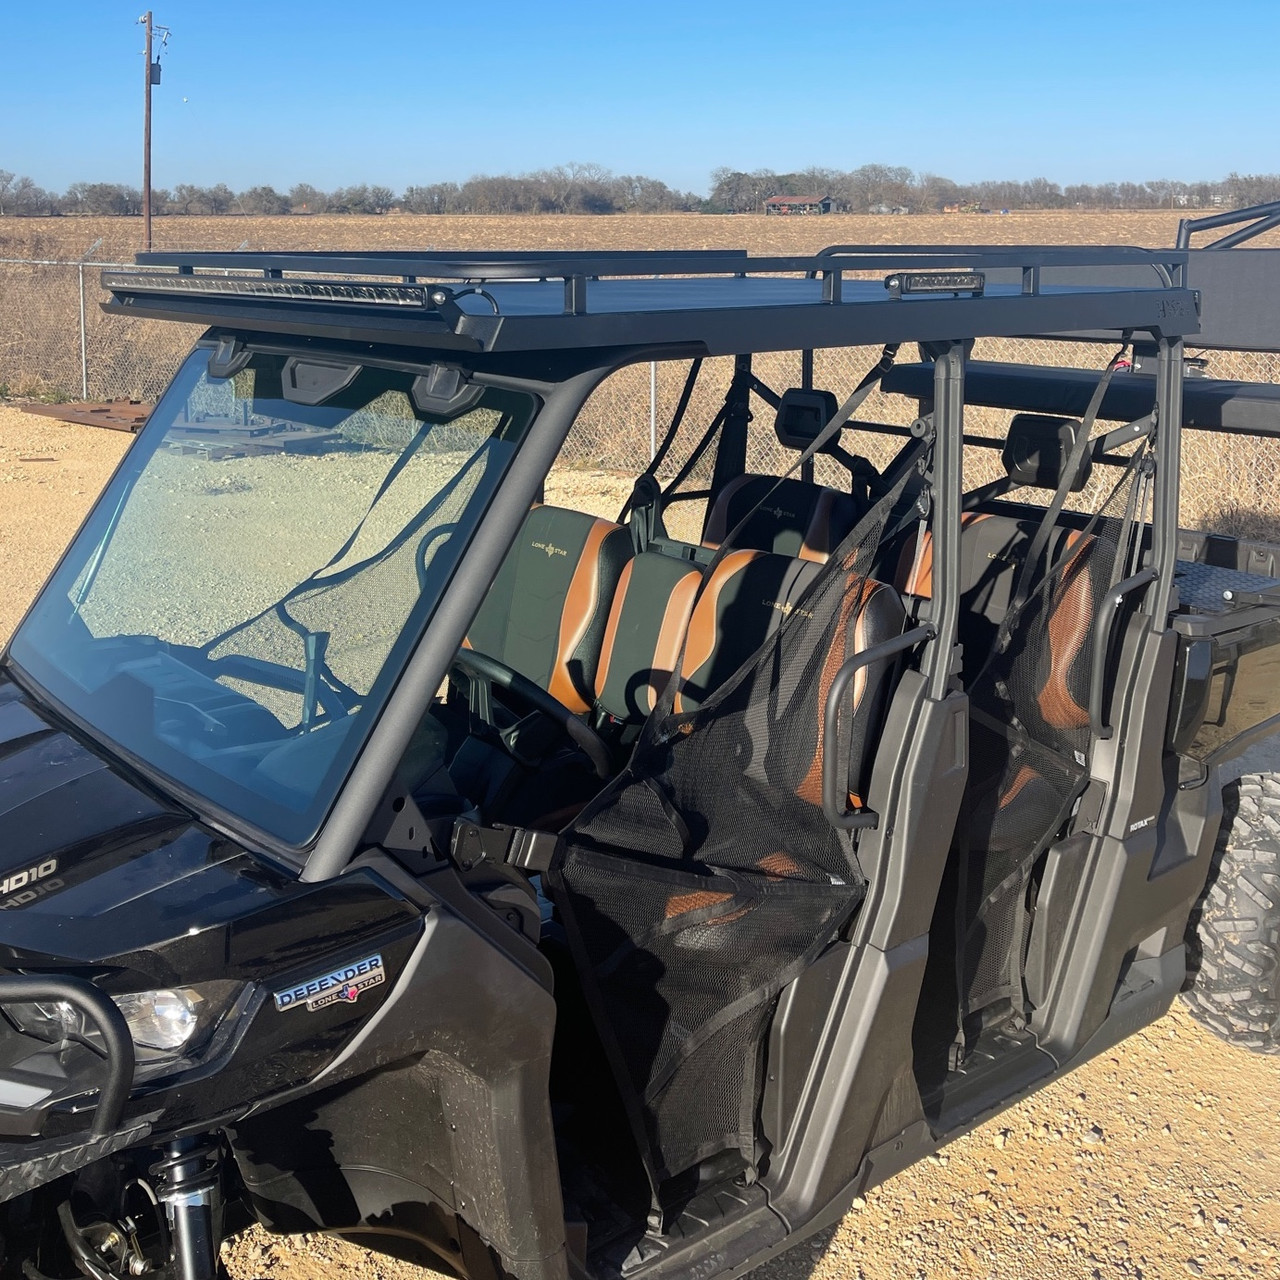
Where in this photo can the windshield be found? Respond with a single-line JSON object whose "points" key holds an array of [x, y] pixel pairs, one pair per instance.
{"points": [[237, 607]]}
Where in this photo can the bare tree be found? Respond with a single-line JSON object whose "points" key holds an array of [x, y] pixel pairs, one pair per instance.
{"points": [[263, 200]]}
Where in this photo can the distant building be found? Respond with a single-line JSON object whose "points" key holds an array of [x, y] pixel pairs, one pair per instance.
{"points": [[798, 204]]}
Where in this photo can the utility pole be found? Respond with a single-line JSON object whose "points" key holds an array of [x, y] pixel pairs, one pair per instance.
{"points": [[151, 75], [146, 141]]}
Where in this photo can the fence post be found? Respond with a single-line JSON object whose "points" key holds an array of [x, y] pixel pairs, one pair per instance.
{"points": [[653, 409], [84, 346]]}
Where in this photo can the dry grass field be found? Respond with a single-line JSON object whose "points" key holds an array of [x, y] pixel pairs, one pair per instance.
{"points": [[1230, 485], [70, 237], [1158, 1160]]}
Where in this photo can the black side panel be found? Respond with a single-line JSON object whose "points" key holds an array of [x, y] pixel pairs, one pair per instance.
{"points": [[458, 1129], [840, 1056], [1147, 862], [1237, 298]]}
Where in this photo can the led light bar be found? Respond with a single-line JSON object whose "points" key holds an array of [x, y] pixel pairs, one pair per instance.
{"points": [[902, 283], [333, 291]]}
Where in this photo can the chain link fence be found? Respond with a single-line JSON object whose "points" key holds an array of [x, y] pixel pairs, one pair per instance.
{"points": [[57, 343]]}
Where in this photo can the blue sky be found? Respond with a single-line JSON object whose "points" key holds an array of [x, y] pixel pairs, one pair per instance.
{"points": [[415, 91]]}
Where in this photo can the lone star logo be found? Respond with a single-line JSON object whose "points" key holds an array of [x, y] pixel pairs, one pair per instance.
{"points": [[344, 985], [786, 608]]}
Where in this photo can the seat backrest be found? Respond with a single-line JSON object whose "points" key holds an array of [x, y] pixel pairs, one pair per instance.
{"points": [[1029, 729], [992, 550], [870, 612], [644, 632], [746, 598], [546, 612], [798, 519]]}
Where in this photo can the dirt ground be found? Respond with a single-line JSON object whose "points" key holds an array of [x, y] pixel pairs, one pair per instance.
{"points": [[1159, 1159]]}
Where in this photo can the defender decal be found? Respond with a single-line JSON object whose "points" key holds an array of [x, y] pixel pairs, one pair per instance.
{"points": [[338, 986]]}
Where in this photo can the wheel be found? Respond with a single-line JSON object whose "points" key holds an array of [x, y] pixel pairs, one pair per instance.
{"points": [[486, 673], [1234, 934]]}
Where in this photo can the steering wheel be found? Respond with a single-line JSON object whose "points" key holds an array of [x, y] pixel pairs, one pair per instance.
{"points": [[486, 673]]}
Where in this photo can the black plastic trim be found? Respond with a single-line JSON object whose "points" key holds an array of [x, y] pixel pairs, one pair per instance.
{"points": [[81, 994], [1103, 628]]}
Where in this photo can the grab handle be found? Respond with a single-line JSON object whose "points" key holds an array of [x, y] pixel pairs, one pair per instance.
{"points": [[834, 790], [1103, 628]]}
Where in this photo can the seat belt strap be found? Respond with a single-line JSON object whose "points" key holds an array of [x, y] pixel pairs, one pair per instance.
{"points": [[668, 439], [1050, 518]]}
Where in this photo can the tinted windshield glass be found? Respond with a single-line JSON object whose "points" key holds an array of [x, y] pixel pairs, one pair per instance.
{"points": [[239, 603]]}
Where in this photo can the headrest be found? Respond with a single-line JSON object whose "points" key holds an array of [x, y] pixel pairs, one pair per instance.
{"points": [[802, 415], [1038, 449]]}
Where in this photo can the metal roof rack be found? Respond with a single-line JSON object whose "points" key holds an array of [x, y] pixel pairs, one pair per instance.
{"points": [[713, 302]]}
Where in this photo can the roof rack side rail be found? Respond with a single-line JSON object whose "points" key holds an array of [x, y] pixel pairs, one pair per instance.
{"points": [[1263, 217], [1168, 264]]}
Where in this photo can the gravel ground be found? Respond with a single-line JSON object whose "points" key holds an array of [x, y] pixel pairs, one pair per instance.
{"points": [[1159, 1159]]}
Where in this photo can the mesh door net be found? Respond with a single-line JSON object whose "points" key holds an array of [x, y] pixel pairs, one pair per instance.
{"points": [[706, 877], [1029, 739]]}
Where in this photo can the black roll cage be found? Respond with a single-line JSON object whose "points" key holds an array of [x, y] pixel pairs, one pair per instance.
{"points": [[569, 320]]}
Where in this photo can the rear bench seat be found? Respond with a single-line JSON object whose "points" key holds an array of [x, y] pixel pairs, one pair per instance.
{"points": [[992, 550], [807, 521]]}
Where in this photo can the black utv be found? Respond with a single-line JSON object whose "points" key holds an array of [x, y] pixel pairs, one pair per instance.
{"points": [[393, 852]]}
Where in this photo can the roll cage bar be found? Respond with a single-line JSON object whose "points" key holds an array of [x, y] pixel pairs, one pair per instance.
{"points": [[1258, 219]]}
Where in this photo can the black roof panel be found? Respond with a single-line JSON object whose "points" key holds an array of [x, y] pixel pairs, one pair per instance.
{"points": [[712, 302]]}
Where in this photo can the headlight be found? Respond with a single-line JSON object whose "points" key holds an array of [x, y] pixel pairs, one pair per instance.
{"points": [[53, 1020], [163, 1020], [164, 1024]]}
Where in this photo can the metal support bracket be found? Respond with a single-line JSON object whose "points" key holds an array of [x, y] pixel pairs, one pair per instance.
{"points": [[516, 846]]}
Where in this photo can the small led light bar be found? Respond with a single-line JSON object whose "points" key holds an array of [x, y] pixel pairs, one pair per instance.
{"points": [[902, 283], [331, 291]]}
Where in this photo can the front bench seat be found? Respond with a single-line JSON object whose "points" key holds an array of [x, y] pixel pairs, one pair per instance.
{"points": [[546, 612], [745, 600], [708, 876], [747, 597]]}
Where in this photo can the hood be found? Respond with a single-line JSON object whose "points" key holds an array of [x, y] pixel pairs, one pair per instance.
{"points": [[99, 875], [58, 800], [91, 865]]}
